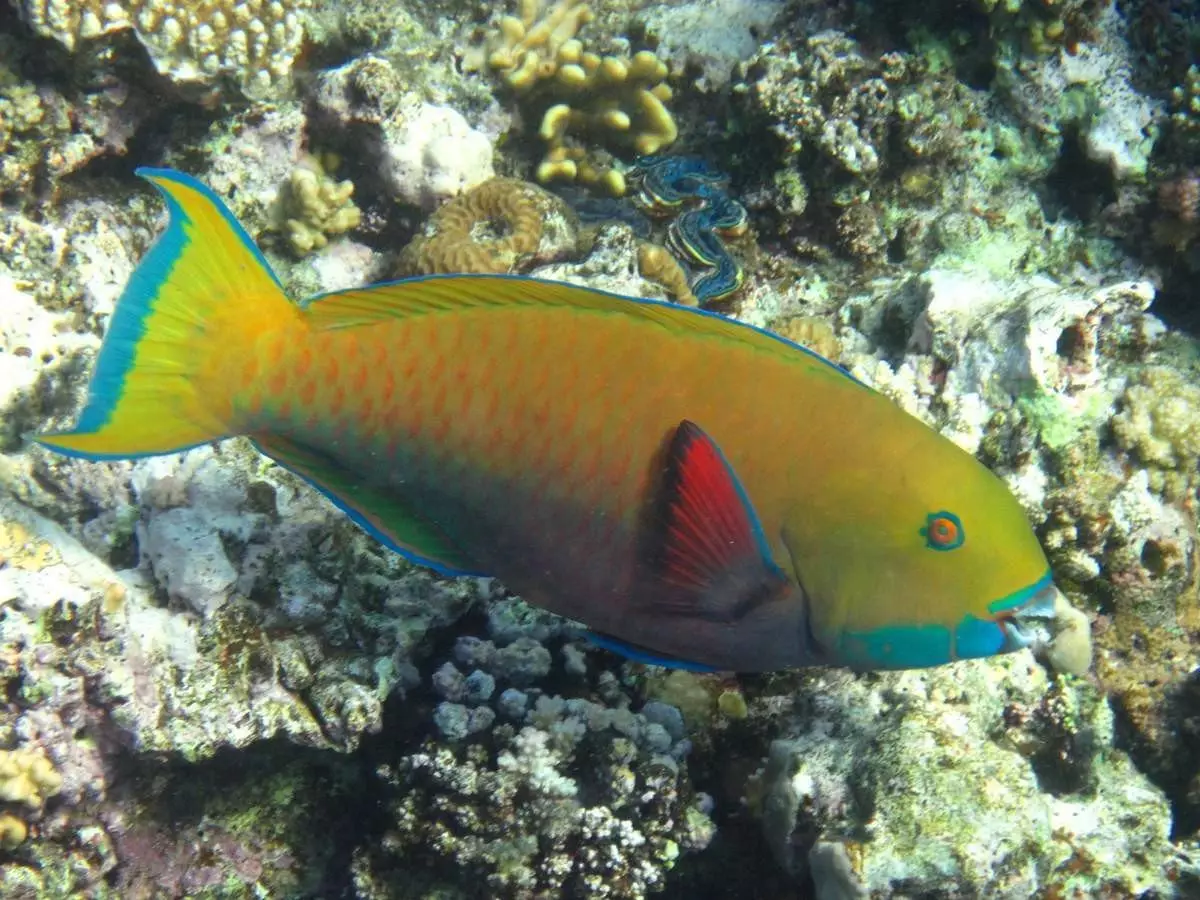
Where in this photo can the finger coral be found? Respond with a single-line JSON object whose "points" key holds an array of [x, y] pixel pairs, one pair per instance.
{"points": [[27, 776], [252, 43], [13, 831], [487, 229], [574, 92], [315, 206], [657, 264]]}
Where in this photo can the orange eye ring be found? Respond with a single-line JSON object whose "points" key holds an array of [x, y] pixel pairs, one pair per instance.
{"points": [[943, 531]]}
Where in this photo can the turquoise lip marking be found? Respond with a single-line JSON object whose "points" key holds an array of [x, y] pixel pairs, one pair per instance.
{"points": [[1018, 599]]}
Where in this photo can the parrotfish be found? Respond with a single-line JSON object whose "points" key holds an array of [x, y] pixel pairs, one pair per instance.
{"points": [[696, 491]]}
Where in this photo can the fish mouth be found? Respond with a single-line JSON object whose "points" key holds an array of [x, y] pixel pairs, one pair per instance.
{"points": [[1035, 622]]}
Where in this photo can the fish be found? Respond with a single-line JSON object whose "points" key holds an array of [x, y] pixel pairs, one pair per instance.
{"points": [[696, 491]]}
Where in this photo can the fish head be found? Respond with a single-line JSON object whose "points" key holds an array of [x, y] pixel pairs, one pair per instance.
{"points": [[930, 560]]}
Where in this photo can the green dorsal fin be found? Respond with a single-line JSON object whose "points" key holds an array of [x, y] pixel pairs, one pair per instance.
{"points": [[384, 517]]}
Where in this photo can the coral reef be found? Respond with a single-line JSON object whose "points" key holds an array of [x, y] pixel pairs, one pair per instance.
{"points": [[1090, 92], [1061, 810], [46, 133], [575, 93], [424, 152], [708, 37], [252, 43], [214, 685], [1159, 422], [533, 793], [858, 137], [496, 226]]}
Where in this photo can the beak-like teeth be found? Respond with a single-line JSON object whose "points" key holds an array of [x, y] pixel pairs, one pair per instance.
{"points": [[1033, 625]]}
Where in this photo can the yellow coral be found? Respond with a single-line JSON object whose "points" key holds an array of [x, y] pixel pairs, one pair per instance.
{"points": [[13, 831], [657, 264], [191, 42], [27, 776], [809, 331], [732, 705], [1159, 422], [487, 229], [316, 206], [21, 549], [621, 101]]}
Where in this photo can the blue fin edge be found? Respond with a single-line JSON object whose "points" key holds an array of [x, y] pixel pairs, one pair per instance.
{"points": [[637, 654], [127, 327], [645, 301]]}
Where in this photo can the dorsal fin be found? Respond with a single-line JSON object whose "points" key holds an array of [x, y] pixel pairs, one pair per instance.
{"points": [[431, 294]]}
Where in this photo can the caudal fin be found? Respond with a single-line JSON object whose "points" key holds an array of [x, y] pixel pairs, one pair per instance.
{"points": [[154, 389]]}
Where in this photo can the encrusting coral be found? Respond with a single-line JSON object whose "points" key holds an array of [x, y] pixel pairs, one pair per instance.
{"points": [[251, 42], [487, 229], [574, 92], [1160, 423]]}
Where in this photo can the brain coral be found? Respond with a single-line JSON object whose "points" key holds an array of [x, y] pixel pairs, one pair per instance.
{"points": [[194, 43], [487, 229]]}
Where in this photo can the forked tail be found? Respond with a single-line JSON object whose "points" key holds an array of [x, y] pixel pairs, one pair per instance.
{"points": [[163, 377]]}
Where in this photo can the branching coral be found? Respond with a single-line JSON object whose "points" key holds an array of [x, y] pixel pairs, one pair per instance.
{"points": [[194, 44], [314, 206], [28, 777], [575, 93], [487, 229]]}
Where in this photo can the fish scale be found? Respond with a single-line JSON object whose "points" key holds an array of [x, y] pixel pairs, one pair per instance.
{"points": [[696, 491]]}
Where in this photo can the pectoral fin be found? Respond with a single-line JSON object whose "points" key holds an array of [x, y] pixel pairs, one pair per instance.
{"points": [[710, 552]]}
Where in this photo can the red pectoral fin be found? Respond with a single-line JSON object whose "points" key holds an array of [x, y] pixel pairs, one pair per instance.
{"points": [[712, 557]]}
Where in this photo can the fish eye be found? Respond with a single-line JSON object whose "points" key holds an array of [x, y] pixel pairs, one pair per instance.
{"points": [[943, 531]]}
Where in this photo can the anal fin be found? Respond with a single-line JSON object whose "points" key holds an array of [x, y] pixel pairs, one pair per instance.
{"points": [[383, 516], [645, 655]]}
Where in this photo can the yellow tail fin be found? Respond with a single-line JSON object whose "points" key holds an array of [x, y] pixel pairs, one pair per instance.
{"points": [[202, 277]]}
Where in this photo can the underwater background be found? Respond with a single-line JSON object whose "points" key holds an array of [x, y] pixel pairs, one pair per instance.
{"points": [[214, 685]]}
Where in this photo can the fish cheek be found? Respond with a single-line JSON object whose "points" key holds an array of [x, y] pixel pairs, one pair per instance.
{"points": [[813, 641]]}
